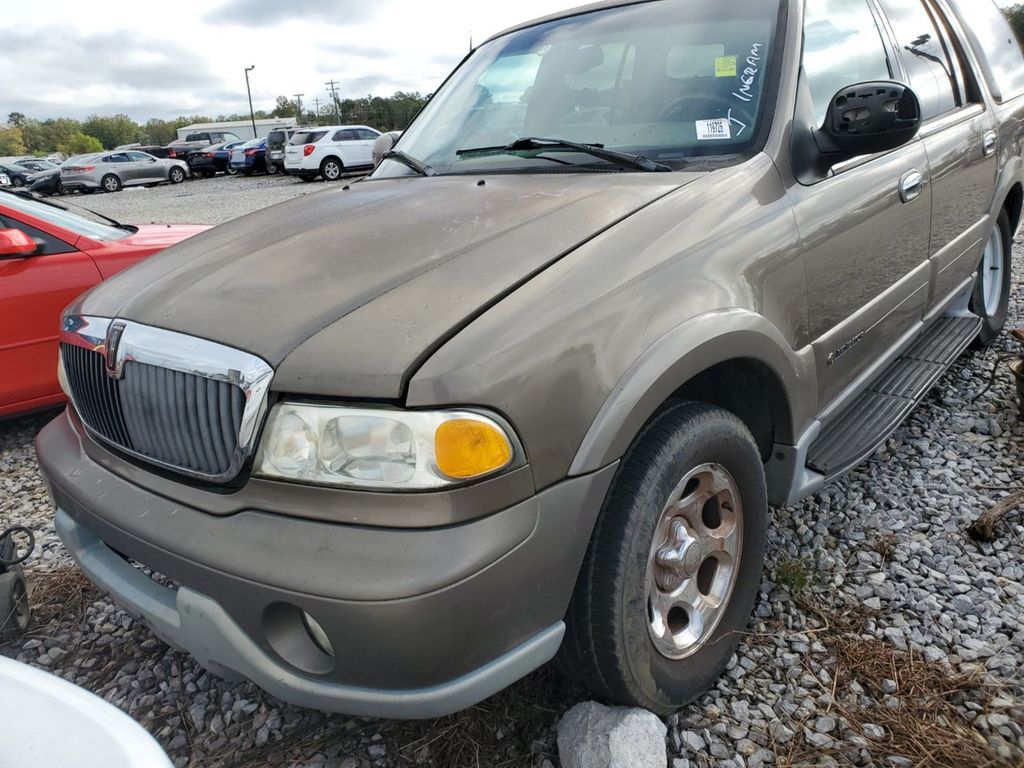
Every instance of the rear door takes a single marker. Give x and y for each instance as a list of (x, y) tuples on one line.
[(129, 171), (959, 136), (866, 242), (34, 290)]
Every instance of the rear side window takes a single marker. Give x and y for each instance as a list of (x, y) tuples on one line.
[(307, 137), (842, 46), (924, 56), (996, 46), (198, 137)]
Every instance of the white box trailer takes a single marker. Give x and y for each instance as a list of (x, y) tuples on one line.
[(241, 128)]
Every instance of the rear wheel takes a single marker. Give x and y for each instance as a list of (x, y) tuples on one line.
[(176, 175), (991, 297), (231, 171), (110, 183), (673, 568), (331, 169), (272, 169)]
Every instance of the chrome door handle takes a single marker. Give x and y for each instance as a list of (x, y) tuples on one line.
[(991, 143), (911, 185)]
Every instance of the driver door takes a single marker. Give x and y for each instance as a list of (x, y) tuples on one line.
[(866, 228)]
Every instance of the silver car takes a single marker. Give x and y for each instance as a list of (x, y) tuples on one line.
[(110, 171)]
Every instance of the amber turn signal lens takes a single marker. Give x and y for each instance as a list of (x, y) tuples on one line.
[(464, 448)]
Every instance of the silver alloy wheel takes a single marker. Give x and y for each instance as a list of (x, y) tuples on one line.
[(332, 170), (111, 183), (694, 560), (992, 265), (177, 175)]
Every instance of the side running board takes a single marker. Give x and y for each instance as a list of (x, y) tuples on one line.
[(858, 431)]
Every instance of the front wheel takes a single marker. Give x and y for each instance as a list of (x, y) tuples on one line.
[(110, 183), (15, 613), (673, 567), (176, 175), (991, 297), (17, 181)]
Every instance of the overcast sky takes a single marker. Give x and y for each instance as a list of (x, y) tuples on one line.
[(73, 58)]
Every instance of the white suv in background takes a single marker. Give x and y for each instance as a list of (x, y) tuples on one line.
[(329, 151)]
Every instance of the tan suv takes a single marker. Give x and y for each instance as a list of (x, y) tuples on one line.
[(634, 273)]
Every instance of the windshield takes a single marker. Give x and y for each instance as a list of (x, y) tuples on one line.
[(669, 80), (80, 225)]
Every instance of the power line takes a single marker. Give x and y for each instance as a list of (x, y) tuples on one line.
[(332, 86)]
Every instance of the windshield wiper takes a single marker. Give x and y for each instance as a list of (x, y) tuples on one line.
[(410, 162), (637, 162)]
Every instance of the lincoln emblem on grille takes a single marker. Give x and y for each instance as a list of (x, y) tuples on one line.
[(114, 333)]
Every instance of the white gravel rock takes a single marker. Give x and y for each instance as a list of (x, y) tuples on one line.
[(591, 735)]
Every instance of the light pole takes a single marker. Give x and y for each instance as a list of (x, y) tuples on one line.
[(248, 90)]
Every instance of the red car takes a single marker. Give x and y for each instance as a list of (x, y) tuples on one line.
[(48, 256)]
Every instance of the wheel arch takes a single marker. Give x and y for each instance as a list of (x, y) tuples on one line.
[(1013, 204), (734, 359)]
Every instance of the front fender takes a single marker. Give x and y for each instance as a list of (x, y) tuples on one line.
[(682, 354)]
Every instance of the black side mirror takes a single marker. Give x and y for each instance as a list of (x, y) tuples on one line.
[(869, 117)]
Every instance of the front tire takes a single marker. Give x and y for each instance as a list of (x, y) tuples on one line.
[(176, 175), (673, 567), (17, 181), (15, 613), (331, 169), (991, 297), (110, 183)]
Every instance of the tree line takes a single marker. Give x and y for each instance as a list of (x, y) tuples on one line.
[(27, 136)]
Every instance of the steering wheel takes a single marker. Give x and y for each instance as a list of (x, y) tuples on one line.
[(711, 106)]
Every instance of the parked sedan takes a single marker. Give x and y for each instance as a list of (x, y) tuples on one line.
[(17, 175), (213, 160), (48, 182), (48, 256), (110, 171), (250, 157)]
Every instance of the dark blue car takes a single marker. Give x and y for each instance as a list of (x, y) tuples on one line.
[(213, 160), (250, 157)]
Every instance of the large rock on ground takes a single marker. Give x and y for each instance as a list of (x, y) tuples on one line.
[(594, 736)]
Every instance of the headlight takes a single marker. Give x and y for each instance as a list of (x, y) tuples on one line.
[(381, 449)]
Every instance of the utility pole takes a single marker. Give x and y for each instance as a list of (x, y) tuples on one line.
[(248, 90), (316, 115), (298, 105), (332, 86)]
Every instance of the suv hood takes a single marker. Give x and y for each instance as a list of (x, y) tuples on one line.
[(346, 292)]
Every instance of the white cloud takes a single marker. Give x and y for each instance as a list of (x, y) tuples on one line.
[(160, 60)]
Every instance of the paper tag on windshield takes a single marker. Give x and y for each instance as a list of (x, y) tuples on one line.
[(725, 66), (714, 130)]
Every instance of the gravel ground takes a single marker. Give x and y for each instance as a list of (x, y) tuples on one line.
[(199, 201), (883, 636)]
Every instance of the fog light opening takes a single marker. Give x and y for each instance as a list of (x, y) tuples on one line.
[(317, 634), (298, 639)]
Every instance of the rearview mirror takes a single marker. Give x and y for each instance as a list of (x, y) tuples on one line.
[(14, 243), (870, 117)]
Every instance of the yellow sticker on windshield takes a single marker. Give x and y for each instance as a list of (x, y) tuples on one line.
[(725, 66)]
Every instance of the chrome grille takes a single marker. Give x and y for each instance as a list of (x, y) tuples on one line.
[(174, 400)]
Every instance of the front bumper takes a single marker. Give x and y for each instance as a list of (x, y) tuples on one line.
[(420, 624)]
